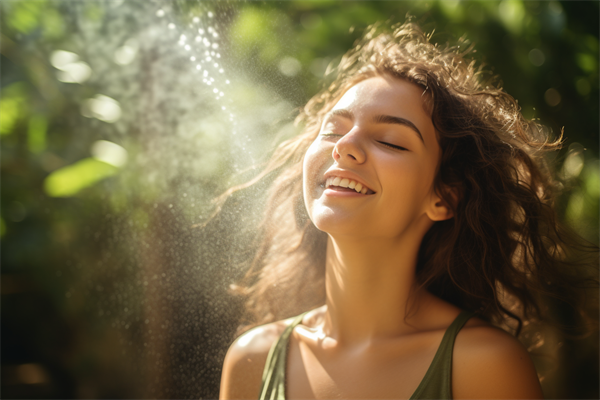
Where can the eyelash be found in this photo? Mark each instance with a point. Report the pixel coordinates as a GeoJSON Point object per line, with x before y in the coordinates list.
{"type": "Point", "coordinates": [393, 146]}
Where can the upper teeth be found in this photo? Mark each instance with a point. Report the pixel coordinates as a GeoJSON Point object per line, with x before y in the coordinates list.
{"type": "Point", "coordinates": [346, 183]}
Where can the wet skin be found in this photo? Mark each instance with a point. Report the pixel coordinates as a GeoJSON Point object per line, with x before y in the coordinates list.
{"type": "Point", "coordinates": [364, 343]}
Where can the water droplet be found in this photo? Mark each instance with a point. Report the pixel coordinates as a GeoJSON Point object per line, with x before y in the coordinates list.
{"type": "Point", "coordinates": [198, 67]}
{"type": "Point", "coordinates": [216, 65]}
{"type": "Point", "coordinates": [182, 38]}
{"type": "Point", "coordinates": [210, 14]}
{"type": "Point", "coordinates": [227, 81]}
{"type": "Point", "coordinates": [187, 47]}
{"type": "Point", "coordinates": [198, 39]}
{"type": "Point", "coordinates": [192, 58]}
{"type": "Point", "coordinates": [196, 20]}
{"type": "Point", "coordinates": [160, 13]}
{"type": "Point", "coordinates": [201, 31]}
{"type": "Point", "coordinates": [215, 90]}
{"type": "Point", "coordinates": [205, 73]}
{"type": "Point", "coordinates": [171, 26]}
{"type": "Point", "coordinates": [221, 70]}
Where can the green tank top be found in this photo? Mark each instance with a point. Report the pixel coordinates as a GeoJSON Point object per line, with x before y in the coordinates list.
{"type": "Point", "coordinates": [437, 383]}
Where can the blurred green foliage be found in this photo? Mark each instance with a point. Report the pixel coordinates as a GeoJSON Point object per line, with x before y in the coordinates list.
{"type": "Point", "coordinates": [69, 180]}
{"type": "Point", "coordinates": [89, 248]}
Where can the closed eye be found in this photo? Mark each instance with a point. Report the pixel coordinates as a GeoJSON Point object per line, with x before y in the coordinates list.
{"type": "Point", "coordinates": [393, 146]}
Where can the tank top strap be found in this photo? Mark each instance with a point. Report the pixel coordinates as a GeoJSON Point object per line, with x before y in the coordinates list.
{"type": "Point", "coordinates": [273, 379]}
{"type": "Point", "coordinates": [437, 383]}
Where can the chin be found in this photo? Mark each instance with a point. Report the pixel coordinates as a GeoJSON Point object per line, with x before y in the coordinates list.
{"type": "Point", "coordinates": [337, 223]}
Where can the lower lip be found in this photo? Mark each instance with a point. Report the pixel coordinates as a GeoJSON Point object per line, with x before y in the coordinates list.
{"type": "Point", "coordinates": [342, 193]}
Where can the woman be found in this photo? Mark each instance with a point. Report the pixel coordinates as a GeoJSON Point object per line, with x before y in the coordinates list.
{"type": "Point", "coordinates": [411, 216]}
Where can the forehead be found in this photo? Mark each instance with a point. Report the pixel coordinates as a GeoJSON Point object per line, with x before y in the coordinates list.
{"type": "Point", "coordinates": [386, 95]}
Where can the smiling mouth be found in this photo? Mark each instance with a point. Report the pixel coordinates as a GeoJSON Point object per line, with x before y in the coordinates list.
{"type": "Point", "coordinates": [345, 184]}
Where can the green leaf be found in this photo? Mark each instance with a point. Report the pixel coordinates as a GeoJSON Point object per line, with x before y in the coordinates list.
{"type": "Point", "coordinates": [69, 180]}
{"type": "Point", "coordinates": [261, 31]}
{"type": "Point", "coordinates": [36, 133]}
{"type": "Point", "coordinates": [511, 13]}
{"type": "Point", "coordinates": [592, 179]}
{"type": "Point", "coordinates": [587, 62]}
{"type": "Point", "coordinates": [13, 103]}
{"type": "Point", "coordinates": [25, 15]}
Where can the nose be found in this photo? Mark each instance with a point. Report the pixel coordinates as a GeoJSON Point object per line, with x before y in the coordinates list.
{"type": "Point", "coordinates": [350, 148]}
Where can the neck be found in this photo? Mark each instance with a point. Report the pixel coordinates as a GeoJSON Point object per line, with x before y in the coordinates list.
{"type": "Point", "coordinates": [371, 289]}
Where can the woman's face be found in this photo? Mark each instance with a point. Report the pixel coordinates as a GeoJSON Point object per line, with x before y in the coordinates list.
{"type": "Point", "coordinates": [378, 139]}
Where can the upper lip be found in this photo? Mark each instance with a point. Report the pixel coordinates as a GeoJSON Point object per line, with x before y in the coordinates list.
{"type": "Point", "coordinates": [345, 174]}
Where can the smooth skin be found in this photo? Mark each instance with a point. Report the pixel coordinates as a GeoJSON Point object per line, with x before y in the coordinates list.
{"type": "Point", "coordinates": [376, 337]}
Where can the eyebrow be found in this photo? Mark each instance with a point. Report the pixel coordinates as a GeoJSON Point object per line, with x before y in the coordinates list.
{"type": "Point", "coordinates": [380, 119]}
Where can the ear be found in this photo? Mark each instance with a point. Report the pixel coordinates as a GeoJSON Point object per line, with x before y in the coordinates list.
{"type": "Point", "coordinates": [440, 208]}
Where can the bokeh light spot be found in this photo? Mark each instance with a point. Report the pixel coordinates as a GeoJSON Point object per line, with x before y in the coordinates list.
{"type": "Point", "coordinates": [102, 107]}
{"type": "Point", "coordinates": [109, 152]}
{"type": "Point", "coordinates": [552, 97]}
{"type": "Point", "coordinates": [537, 57]}
{"type": "Point", "coordinates": [289, 66]}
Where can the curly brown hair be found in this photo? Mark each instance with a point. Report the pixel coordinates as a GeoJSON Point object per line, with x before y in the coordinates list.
{"type": "Point", "coordinates": [504, 250]}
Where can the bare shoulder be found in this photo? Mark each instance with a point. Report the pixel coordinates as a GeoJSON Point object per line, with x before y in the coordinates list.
{"type": "Point", "coordinates": [245, 360]}
{"type": "Point", "coordinates": [489, 363]}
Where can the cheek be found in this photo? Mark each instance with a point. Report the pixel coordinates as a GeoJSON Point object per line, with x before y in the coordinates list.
{"type": "Point", "coordinates": [312, 168]}
{"type": "Point", "coordinates": [310, 172]}
{"type": "Point", "coordinates": [317, 160]}
{"type": "Point", "coordinates": [306, 170]}
{"type": "Point", "coordinates": [407, 185]}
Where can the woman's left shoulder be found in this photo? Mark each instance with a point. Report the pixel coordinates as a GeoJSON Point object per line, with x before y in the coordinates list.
{"type": "Point", "coordinates": [489, 363]}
